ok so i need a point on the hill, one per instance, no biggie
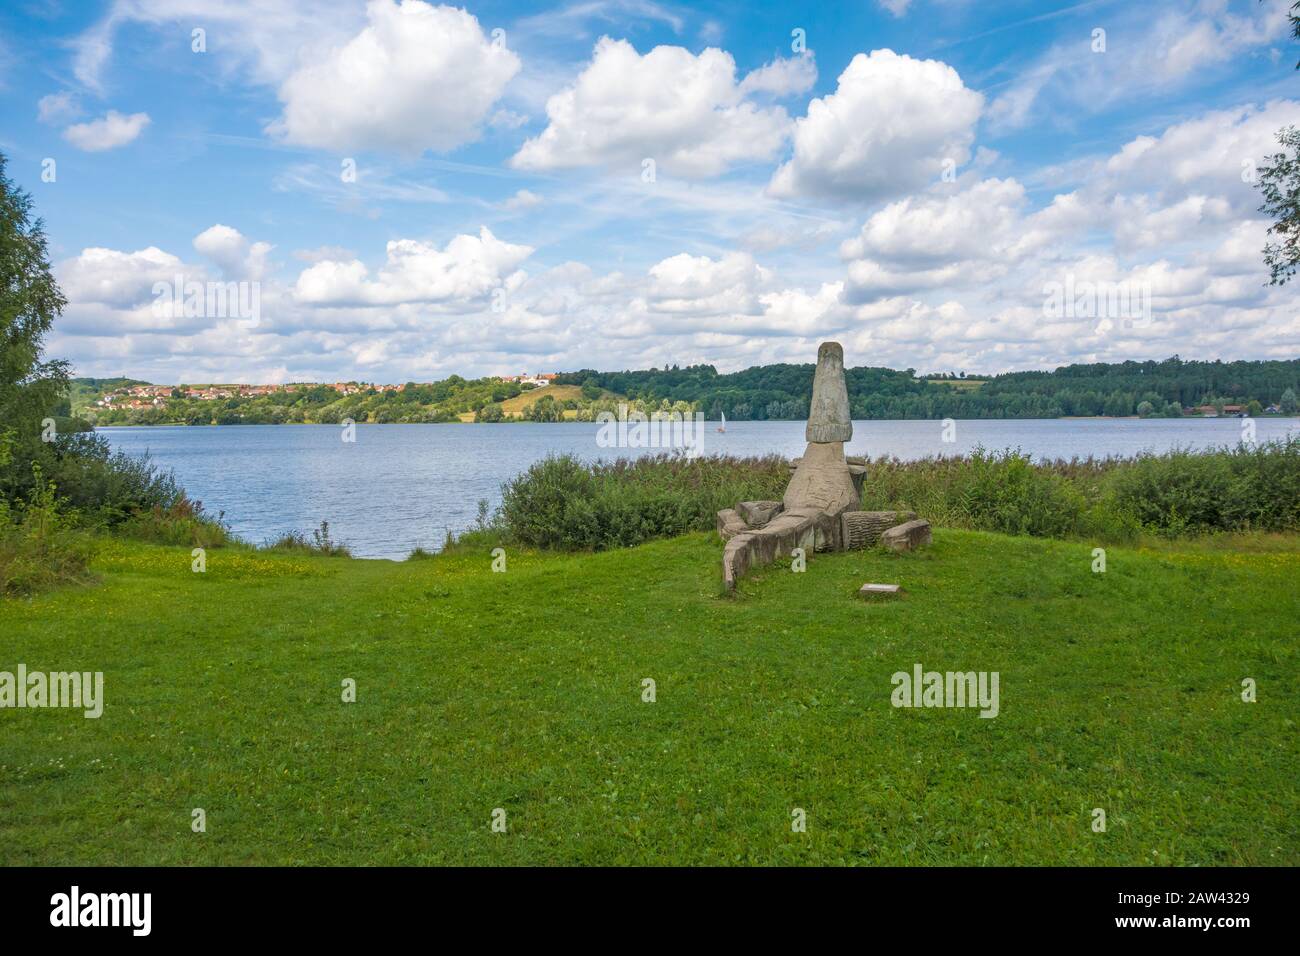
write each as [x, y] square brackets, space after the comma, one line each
[781, 391]
[1170, 388]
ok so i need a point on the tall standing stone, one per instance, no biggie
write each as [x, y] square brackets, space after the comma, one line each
[821, 489]
[828, 415]
[822, 482]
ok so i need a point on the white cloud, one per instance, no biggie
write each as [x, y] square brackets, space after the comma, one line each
[120, 279]
[685, 112]
[698, 285]
[523, 199]
[888, 129]
[266, 37]
[962, 225]
[55, 108]
[417, 78]
[232, 252]
[896, 7]
[1210, 153]
[112, 130]
[1139, 223]
[782, 77]
[507, 119]
[1145, 51]
[468, 269]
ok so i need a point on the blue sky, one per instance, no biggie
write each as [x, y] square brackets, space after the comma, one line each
[907, 177]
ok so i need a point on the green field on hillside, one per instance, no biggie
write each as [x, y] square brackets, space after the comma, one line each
[523, 691]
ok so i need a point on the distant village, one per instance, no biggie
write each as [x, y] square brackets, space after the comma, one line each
[150, 396]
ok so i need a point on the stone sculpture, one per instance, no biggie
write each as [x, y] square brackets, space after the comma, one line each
[819, 511]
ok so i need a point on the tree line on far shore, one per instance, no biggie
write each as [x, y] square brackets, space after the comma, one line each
[769, 392]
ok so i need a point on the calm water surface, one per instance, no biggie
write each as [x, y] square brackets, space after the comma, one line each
[404, 486]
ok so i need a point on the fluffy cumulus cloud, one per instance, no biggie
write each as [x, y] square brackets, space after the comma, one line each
[685, 111]
[113, 292]
[698, 285]
[416, 78]
[233, 253]
[469, 269]
[727, 300]
[889, 128]
[111, 130]
[963, 277]
[907, 270]
[120, 279]
[962, 236]
[1218, 152]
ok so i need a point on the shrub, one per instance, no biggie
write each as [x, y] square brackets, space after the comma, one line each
[181, 523]
[989, 491]
[1242, 489]
[1179, 492]
[40, 547]
[1008, 493]
[563, 503]
[318, 542]
[560, 502]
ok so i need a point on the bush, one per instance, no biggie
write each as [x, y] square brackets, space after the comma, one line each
[1008, 493]
[989, 491]
[39, 546]
[1242, 489]
[560, 502]
[1179, 492]
[181, 523]
[126, 494]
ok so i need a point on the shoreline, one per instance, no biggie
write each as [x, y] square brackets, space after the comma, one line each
[571, 421]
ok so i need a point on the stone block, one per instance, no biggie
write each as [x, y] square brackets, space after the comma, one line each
[785, 532]
[758, 513]
[862, 529]
[878, 591]
[907, 536]
[730, 524]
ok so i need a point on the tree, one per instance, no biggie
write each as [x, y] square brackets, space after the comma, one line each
[1288, 402]
[1295, 24]
[1145, 409]
[30, 300]
[1279, 183]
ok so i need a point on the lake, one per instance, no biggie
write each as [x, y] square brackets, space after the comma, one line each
[398, 487]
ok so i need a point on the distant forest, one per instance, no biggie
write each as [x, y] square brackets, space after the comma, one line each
[1127, 388]
[776, 392]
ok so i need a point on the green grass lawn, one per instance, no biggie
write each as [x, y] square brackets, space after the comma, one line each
[523, 690]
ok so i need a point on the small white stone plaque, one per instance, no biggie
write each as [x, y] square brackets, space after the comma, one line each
[879, 590]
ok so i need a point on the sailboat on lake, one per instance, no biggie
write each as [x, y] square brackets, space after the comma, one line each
[723, 426]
